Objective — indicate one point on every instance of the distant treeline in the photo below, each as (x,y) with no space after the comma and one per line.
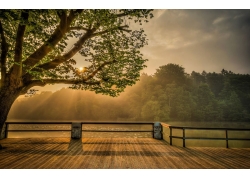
(168,95)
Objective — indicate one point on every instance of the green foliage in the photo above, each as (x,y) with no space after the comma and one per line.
(102,37)
(170,73)
(154,111)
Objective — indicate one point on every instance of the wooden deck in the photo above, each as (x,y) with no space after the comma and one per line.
(115,153)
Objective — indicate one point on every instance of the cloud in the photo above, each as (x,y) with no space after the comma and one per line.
(200,39)
(218,20)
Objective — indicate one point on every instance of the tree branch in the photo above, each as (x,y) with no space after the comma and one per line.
(58,34)
(30,83)
(4,51)
(122,28)
(78,45)
(99,69)
(60,59)
(61,14)
(56,81)
(62,81)
(16,70)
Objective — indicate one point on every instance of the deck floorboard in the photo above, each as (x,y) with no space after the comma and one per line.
(115,153)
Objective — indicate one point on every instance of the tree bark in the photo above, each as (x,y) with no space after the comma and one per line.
(7,98)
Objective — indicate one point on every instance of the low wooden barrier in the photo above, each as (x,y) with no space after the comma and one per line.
(69,129)
(202,134)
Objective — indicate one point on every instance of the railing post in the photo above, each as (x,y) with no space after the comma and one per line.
(157,130)
(183,137)
(227,138)
(153,130)
(170,137)
(76,130)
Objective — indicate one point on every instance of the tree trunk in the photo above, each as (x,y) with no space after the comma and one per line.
(7,98)
(3,133)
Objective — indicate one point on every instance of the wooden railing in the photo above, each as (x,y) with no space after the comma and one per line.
(34,130)
(184,137)
(7,130)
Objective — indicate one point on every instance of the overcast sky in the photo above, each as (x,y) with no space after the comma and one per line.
(199,40)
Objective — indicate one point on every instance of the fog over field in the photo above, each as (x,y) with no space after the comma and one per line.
(170,95)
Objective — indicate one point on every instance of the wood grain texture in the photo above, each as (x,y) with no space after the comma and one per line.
(115,153)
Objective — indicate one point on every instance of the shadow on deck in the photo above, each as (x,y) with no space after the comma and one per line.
(115,153)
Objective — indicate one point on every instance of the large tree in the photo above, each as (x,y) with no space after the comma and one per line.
(35,50)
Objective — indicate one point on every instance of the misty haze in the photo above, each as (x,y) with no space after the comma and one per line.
(170,95)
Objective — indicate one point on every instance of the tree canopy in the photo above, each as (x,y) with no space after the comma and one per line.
(35,51)
(37,47)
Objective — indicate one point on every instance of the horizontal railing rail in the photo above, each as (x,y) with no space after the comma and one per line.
(226,138)
(83,130)
(209,128)
(82,122)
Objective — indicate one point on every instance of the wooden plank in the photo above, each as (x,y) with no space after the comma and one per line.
(113,153)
